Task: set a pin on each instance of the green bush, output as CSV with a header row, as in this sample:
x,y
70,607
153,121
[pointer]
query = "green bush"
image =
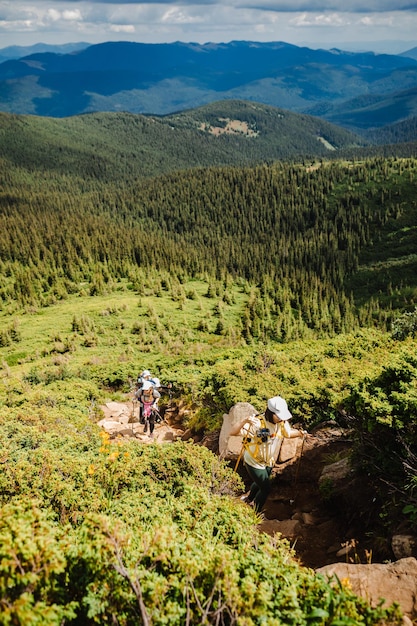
x,y
405,325
32,563
383,411
173,548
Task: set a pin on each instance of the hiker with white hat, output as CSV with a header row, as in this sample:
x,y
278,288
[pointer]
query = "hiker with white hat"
x,y
262,438
148,397
144,375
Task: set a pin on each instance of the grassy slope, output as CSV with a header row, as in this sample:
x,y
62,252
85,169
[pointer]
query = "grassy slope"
x,y
159,324
122,333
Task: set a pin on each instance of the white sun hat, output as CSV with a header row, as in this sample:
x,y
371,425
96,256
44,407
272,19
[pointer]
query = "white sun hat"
x,y
146,385
279,407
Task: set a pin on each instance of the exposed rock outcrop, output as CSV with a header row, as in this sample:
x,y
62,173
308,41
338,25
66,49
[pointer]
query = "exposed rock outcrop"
x,y
121,419
392,582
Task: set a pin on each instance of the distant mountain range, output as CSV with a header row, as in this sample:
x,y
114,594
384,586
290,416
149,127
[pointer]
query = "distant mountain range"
x,y
17,52
359,91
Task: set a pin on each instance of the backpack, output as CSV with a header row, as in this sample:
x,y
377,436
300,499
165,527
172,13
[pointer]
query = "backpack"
x,y
147,396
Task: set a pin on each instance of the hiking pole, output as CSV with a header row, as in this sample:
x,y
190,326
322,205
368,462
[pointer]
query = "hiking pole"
x,y
239,457
133,414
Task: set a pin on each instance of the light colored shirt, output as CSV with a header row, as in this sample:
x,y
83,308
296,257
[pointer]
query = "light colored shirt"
x,y
261,452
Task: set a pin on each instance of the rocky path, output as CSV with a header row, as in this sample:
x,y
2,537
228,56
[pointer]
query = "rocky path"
x,y
121,419
298,509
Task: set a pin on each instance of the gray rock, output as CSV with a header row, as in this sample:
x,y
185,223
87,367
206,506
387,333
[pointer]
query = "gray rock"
x,y
230,446
404,546
336,473
288,528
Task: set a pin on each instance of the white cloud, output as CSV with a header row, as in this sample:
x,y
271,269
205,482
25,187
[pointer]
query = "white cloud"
x,y
120,28
52,15
73,15
24,22
385,20
332,20
176,15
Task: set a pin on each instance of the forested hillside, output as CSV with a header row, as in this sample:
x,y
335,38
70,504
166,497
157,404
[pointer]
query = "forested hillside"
x,y
118,145
395,133
327,247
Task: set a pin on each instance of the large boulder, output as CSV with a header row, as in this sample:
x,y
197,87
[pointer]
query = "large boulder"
x,y
290,449
230,446
336,474
391,582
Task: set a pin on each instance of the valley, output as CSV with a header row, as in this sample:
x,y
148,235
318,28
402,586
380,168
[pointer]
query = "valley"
x,y
234,269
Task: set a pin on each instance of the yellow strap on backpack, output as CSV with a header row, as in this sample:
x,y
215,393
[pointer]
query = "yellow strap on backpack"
x,y
246,440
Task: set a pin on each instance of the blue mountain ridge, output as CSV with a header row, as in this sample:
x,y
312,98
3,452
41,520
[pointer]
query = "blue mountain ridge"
x,y
165,78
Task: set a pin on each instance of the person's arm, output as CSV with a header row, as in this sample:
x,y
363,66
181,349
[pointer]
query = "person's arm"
x,y
290,432
245,425
156,396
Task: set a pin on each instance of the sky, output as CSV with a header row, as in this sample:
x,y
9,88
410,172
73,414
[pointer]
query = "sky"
x,y
383,26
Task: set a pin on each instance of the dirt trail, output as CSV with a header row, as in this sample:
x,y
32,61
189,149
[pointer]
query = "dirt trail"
x,y
121,419
322,530
319,532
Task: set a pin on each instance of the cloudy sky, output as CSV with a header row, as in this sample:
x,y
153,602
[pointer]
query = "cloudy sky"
x,y
383,26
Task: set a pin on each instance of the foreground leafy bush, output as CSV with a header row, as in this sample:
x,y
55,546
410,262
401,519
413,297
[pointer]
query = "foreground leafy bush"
x,y
167,577
32,562
405,325
166,543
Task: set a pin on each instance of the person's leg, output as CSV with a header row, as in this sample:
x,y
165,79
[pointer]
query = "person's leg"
x,y
260,487
253,491
146,415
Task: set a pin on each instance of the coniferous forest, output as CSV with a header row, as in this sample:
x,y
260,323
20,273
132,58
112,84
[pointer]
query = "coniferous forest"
x,y
326,247
231,279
